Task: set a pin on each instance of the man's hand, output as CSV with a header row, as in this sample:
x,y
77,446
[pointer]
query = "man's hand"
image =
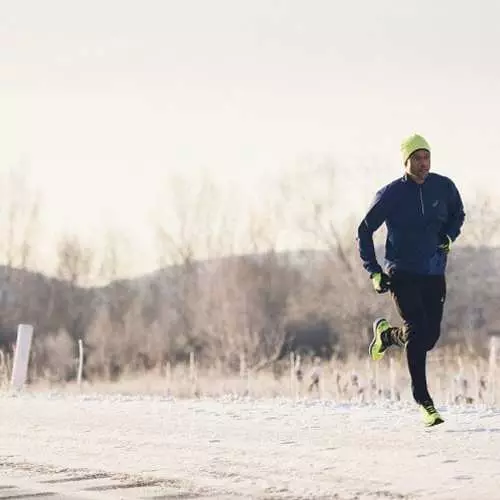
x,y
445,245
381,282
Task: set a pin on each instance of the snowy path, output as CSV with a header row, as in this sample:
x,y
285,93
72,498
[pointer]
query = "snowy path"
x,y
152,447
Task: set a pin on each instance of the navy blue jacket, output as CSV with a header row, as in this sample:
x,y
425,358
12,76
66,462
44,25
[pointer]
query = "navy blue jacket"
x,y
417,217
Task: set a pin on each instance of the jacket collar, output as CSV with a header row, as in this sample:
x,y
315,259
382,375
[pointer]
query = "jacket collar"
x,y
409,180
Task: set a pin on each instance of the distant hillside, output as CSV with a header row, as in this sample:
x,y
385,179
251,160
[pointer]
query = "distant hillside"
x,y
256,304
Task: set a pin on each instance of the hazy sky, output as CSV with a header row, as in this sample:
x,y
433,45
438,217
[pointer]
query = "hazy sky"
x,y
101,100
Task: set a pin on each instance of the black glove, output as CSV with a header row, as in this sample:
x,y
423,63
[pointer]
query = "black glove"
x,y
381,282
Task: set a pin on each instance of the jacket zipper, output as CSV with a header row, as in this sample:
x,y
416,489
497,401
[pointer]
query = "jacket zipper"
x,y
421,201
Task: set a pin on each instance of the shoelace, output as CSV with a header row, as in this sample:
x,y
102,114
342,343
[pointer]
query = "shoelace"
x,y
430,409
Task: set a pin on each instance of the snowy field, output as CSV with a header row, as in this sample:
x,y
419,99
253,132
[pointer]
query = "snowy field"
x,y
72,446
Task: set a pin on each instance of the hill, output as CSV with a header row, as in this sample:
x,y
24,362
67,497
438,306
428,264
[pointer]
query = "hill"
x,y
256,304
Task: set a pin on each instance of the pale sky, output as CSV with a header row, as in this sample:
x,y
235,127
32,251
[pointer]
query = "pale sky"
x,y
100,101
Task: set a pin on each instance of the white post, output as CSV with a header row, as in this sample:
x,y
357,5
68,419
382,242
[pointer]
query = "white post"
x,y
21,356
3,369
439,390
292,373
80,362
243,366
192,367
378,385
168,371
477,382
492,362
392,375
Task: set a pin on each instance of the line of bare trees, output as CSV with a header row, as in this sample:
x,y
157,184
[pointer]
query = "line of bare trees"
x,y
230,281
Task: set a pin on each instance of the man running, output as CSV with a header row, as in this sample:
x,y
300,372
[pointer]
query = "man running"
x,y
424,214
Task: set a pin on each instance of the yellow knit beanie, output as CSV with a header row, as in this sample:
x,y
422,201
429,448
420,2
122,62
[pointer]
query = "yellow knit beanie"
x,y
412,144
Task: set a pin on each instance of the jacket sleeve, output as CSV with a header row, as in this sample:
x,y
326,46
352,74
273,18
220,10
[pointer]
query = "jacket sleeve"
x,y
373,219
456,214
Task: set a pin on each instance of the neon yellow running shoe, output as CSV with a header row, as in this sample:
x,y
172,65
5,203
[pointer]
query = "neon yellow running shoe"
x,y
430,415
380,342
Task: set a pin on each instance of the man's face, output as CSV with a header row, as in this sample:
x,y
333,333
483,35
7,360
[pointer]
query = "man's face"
x,y
418,165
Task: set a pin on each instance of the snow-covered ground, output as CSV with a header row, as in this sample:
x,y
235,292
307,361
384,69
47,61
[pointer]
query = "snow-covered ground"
x,y
115,446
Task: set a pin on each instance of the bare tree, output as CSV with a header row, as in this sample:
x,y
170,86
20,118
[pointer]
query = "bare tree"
x,y
19,226
336,287
75,261
20,219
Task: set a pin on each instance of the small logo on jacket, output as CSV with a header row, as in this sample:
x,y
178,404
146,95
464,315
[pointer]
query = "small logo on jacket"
x,y
435,204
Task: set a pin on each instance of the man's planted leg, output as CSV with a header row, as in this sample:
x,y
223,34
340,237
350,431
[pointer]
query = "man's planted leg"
x,y
417,358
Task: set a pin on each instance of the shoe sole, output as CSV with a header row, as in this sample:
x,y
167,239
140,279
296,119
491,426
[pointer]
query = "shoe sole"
x,y
376,342
431,419
437,421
